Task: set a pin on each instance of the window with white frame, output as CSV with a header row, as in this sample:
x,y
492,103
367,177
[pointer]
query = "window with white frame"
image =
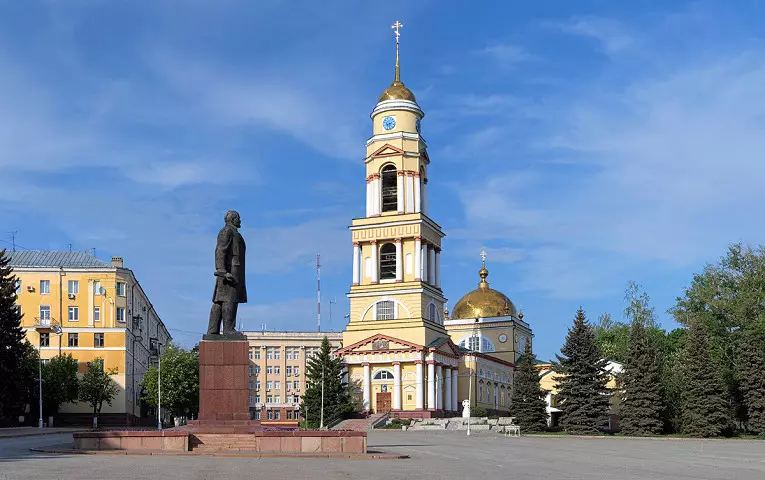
x,y
384,310
44,287
383,375
257,385
257,354
471,343
270,414
18,286
277,369
296,354
45,313
277,399
277,353
288,353
432,315
269,399
269,354
252,354
121,314
96,314
269,385
269,369
277,414
296,371
389,188
257,398
120,289
73,287
97,287
288,369
74,314
296,385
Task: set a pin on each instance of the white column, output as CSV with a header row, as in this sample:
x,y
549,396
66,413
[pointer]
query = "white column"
x,y
437,267
376,194
375,261
439,387
448,389
369,197
91,306
431,264
417,258
409,193
425,196
419,397
400,191
396,386
431,386
455,395
424,254
356,260
367,388
399,261
417,198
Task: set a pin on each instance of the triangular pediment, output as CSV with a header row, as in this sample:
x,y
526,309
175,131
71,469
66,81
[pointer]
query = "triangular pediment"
x,y
445,346
386,150
380,343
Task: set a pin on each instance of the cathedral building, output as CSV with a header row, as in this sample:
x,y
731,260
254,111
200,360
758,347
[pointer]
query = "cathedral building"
x,y
404,354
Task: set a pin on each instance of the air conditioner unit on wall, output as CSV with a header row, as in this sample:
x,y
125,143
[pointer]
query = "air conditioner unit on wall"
x,y
71,296
30,288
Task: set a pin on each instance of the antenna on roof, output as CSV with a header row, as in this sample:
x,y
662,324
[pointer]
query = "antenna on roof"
x,y
13,240
70,246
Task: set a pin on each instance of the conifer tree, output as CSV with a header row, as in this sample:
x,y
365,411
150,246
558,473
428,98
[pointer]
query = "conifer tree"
x,y
705,412
751,361
641,412
325,369
528,404
584,398
12,349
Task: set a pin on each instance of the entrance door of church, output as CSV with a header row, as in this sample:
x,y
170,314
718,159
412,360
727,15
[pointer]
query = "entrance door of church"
x,y
384,402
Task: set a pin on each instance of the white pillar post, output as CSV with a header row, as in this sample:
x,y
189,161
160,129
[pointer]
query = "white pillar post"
x,y
400,191
367,388
356,260
409,192
437,267
439,387
396,386
431,264
419,397
455,395
417,192
425,196
448,389
375,261
399,260
376,193
369,196
431,385
425,267
417,258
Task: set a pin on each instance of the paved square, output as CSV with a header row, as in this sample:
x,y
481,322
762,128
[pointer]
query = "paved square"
x,y
441,455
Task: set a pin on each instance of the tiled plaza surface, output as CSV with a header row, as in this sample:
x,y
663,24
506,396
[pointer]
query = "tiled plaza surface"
x,y
441,455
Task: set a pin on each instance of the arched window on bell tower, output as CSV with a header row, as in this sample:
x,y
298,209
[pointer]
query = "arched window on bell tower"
x,y
388,262
389,192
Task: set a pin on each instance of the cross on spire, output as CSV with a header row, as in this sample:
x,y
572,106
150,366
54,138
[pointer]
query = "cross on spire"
x,y
396,27
483,257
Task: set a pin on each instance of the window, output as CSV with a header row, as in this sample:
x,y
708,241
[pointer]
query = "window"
x,y
269,370
288,386
486,345
45,339
383,375
288,369
250,385
270,414
277,399
45,313
288,353
252,400
18,286
296,355
252,354
269,399
257,415
257,369
269,385
96,314
257,398
471,343
385,310
432,315
277,385
269,354
98,340
97,287
389,194
121,314
277,369
44,287
257,385
120,289
480,391
388,261
74,340
257,355
296,371
277,414
74,314
250,370
409,398
296,385
277,353
289,415
73,287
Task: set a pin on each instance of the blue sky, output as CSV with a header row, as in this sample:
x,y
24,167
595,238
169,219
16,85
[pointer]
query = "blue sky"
x,y
582,144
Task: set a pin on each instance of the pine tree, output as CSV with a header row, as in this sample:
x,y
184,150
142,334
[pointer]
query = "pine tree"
x,y
12,349
584,398
325,369
528,404
705,411
642,403
751,360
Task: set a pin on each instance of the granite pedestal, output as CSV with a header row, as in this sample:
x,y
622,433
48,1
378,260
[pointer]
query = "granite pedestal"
x,y
224,380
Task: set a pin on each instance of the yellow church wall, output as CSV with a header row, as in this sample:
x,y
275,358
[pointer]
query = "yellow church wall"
x,y
405,122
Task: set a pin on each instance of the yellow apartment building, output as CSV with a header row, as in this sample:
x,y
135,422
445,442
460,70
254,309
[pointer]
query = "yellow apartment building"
x,y
278,368
74,303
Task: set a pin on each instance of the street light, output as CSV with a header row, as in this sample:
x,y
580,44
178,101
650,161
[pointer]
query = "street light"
x,y
159,386
321,417
470,371
58,331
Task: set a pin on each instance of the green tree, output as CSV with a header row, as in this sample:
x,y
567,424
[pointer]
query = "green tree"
x,y
704,408
584,398
612,338
528,404
641,409
97,387
751,367
672,379
180,381
60,384
12,349
327,370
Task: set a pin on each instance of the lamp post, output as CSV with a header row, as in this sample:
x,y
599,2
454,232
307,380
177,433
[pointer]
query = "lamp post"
x,y
321,416
39,372
159,386
470,371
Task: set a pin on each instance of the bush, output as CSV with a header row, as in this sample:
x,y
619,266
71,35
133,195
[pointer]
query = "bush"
x,y
478,412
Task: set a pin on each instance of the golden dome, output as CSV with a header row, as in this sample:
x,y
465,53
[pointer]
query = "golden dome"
x,y
484,302
397,91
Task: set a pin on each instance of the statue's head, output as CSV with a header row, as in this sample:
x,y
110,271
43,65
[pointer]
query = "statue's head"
x,y
232,218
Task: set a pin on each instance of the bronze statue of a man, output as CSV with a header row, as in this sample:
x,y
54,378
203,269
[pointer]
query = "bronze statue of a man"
x,y
230,288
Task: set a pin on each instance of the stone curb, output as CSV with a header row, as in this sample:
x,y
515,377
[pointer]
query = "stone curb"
x,y
36,434
349,456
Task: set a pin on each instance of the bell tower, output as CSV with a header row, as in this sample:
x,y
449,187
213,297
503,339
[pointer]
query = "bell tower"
x,y
396,285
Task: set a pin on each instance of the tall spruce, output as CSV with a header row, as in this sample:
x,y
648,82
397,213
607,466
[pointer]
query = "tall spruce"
x,y
751,360
584,398
642,406
326,369
12,349
528,404
705,410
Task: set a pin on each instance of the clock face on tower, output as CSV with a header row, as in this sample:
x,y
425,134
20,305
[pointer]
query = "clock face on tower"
x,y
417,125
502,337
389,123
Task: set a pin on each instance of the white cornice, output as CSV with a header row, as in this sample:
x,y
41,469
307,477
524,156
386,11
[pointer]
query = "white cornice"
x,y
388,105
383,293
394,136
424,219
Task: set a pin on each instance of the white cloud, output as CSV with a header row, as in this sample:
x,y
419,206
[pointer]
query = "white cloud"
x,y
506,55
288,315
611,34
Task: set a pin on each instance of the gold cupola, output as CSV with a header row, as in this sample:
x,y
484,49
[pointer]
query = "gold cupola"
x,y
484,302
397,89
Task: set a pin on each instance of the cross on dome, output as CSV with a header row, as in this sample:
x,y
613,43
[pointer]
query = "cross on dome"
x,y
483,257
396,26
